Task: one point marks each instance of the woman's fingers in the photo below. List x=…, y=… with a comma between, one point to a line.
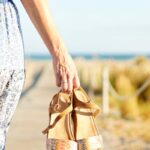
x=64, y=81
x=57, y=75
x=76, y=81
x=67, y=82
x=58, y=80
x=70, y=83
x=66, y=73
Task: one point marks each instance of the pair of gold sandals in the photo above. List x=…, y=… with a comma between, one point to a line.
x=71, y=122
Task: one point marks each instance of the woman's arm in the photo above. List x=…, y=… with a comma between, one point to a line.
x=65, y=70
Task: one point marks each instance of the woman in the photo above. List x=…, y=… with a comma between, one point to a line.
x=12, y=72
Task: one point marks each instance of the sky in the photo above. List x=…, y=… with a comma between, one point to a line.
x=94, y=26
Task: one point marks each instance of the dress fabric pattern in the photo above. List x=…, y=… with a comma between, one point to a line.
x=11, y=41
x=12, y=72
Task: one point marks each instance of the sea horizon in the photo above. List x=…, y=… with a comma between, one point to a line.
x=90, y=56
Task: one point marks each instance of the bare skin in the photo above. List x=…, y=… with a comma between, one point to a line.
x=64, y=67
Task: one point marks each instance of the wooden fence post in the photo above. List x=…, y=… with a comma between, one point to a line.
x=105, y=91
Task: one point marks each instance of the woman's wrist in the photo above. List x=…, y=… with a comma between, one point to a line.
x=59, y=52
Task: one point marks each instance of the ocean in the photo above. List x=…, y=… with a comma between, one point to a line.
x=89, y=56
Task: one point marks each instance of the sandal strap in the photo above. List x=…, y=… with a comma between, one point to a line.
x=88, y=105
x=61, y=115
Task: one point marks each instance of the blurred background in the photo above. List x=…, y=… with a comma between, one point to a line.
x=109, y=41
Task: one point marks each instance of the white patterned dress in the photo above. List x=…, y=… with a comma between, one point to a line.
x=12, y=72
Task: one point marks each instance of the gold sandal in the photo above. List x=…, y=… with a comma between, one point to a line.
x=60, y=134
x=86, y=133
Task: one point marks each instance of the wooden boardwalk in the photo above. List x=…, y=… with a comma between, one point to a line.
x=31, y=116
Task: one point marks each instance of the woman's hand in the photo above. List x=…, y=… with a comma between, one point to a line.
x=65, y=71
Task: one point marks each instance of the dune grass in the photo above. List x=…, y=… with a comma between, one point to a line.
x=130, y=117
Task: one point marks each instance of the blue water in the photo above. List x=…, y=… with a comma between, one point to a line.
x=89, y=56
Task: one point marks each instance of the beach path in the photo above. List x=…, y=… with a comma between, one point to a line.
x=31, y=116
